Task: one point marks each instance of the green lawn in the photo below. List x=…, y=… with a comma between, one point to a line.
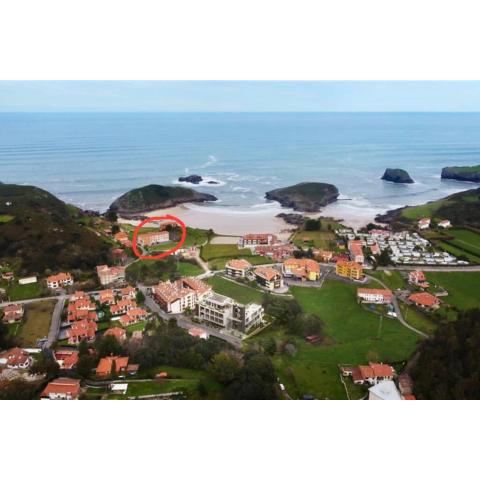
x=322, y=239
x=136, y=326
x=466, y=239
x=391, y=278
x=188, y=269
x=417, y=319
x=6, y=218
x=354, y=336
x=241, y=293
x=214, y=250
x=457, y=251
x=23, y=292
x=463, y=287
x=37, y=322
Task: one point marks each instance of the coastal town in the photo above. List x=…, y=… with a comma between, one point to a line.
x=232, y=290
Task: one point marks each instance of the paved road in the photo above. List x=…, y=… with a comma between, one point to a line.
x=430, y=268
x=397, y=309
x=56, y=321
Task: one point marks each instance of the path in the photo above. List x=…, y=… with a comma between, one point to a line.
x=397, y=309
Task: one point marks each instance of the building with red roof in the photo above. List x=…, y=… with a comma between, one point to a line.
x=119, y=333
x=81, y=330
x=111, y=365
x=374, y=295
x=16, y=358
x=268, y=277
x=301, y=268
x=237, y=268
x=12, y=313
x=424, y=300
x=62, y=389
x=66, y=359
x=62, y=279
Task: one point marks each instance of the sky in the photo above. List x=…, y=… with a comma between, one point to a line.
x=241, y=96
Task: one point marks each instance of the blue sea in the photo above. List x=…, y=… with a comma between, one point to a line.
x=89, y=159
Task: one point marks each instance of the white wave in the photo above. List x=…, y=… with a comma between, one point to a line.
x=212, y=160
x=203, y=183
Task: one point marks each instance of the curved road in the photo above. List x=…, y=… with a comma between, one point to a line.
x=397, y=309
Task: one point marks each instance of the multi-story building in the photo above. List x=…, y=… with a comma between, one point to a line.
x=356, y=251
x=254, y=239
x=62, y=389
x=268, y=277
x=237, y=268
x=62, y=279
x=301, y=268
x=374, y=295
x=347, y=269
x=223, y=312
x=107, y=275
x=152, y=238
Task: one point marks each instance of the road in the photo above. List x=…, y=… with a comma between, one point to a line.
x=397, y=309
x=56, y=321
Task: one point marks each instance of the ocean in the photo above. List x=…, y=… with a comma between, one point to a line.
x=89, y=159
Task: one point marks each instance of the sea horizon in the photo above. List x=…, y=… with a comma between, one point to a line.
x=90, y=158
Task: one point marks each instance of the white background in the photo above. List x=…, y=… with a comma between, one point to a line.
x=260, y=39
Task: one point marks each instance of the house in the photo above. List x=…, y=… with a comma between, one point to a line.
x=384, y=390
x=374, y=295
x=348, y=269
x=425, y=300
x=107, y=275
x=15, y=358
x=268, y=277
x=8, y=276
x=152, y=238
x=176, y=297
x=275, y=252
x=128, y=292
x=111, y=365
x=324, y=255
x=355, y=248
x=62, y=279
x=123, y=306
x=371, y=373
x=198, y=332
x=224, y=312
x=106, y=297
x=405, y=384
x=62, y=389
x=417, y=277
x=237, y=268
x=74, y=315
x=444, y=224
x=13, y=313
x=133, y=316
x=66, y=359
x=253, y=239
x=81, y=330
x=424, y=223
x=301, y=269
x=119, y=333
x=79, y=294
x=122, y=238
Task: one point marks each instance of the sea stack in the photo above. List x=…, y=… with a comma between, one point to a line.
x=397, y=175
x=463, y=174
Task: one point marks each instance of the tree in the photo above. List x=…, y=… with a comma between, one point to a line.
x=85, y=365
x=111, y=215
x=115, y=229
x=384, y=258
x=45, y=364
x=107, y=345
x=269, y=346
x=225, y=367
x=313, y=224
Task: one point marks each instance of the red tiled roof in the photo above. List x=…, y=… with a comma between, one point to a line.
x=268, y=273
x=424, y=298
x=238, y=264
x=105, y=365
x=66, y=386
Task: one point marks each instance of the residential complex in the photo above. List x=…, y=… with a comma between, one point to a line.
x=152, y=238
x=301, y=269
x=108, y=275
x=237, y=268
x=62, y=279
x=254, y=239
x=348, y=269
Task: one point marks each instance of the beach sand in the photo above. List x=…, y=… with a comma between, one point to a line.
x=258, y=221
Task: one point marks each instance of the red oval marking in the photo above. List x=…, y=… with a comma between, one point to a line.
x=162, y=254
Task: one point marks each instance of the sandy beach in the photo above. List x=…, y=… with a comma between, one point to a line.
x=235, y=223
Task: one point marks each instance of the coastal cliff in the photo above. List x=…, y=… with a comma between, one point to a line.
x=464, y=174
x=155, y=197
x=305, y=196
x=397, y=175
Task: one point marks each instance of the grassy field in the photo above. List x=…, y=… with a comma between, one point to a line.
x=324, y=240
x=466, y=239
x=417, y=319
x=23, y=292
x=219, y=250
x=6, y=218
x=391, y=278
x=354, y=336
x=241, y=293
x=463, y=287
x=37, y=323
x=188, y=269
x=181, y=379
